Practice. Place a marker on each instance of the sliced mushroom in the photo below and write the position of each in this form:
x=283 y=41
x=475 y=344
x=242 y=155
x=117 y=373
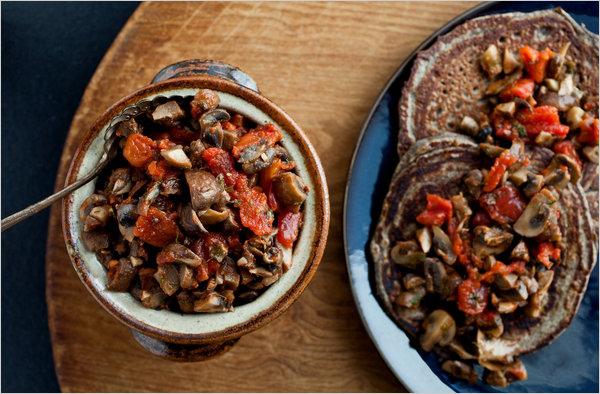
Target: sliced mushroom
x=506 y=281
x=176 y=157
x=591 y=153
x=517 y=293
x=407 y=254
x=507 y=306
x=95 y=240
x=558 y=178
x=185 y=301
x=490 y=240
x=532 y=185
x=229 y=274
x=460 y=370
x=440 y=329
x=177 y=253
x=520 y=252
x=491 y=150
x=568 y=88
x=469 y=126
x=203 y=101
x=187 y=278
x=491 y=61
x=126 y=218
x=119 y=182
x=534 y=218
x=495 y=378
x=491 y=325
x=564 y=160
x=435 y=275
x=510 y=62
x=212 y=118
x=552 y=84
x=460 y=350
x=190 y=222
x=411 y=281
x=89 y=203
x=507 y=109
x=289 y=189
x=97 y=218
x=211 y=302
x=205 y=190
x=168 y=113
x=442 y=245
x=500 y=374
x=211 y=216
x=574 y=117
x=555 y=67
x=260 y=163
x=148 y=198
x=424 y=238
x=411 y=298
x=127 y=127
x=167 y=278
x=497 y=86
x=531 y=284
x=461 y=207
x=120 y=274
x=474 y=182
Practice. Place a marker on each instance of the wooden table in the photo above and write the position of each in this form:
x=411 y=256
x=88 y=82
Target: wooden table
x=324 y=63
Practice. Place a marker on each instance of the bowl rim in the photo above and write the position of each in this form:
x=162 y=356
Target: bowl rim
x=314 y=167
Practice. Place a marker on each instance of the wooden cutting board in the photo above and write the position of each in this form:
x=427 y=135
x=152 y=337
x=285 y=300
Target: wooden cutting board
x=325 y=64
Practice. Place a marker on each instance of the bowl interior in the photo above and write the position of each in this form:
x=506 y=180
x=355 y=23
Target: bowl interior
x=123 y=304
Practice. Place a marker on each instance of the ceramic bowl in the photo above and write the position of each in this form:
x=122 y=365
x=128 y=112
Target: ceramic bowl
x=191 y=337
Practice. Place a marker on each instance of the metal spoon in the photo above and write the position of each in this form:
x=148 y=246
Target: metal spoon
x=109 y=150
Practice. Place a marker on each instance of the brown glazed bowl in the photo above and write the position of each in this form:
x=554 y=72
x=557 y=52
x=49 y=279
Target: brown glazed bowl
x=192 y=337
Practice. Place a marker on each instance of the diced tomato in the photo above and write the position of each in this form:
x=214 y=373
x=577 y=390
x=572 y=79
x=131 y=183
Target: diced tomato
x=472 y=297
x=155 y=228
x=165 y=143
x=535 y=62
x=266 y=134
x=542 y=118
x=227 y=125
x=438 y=211
x=160 y=169
x=181 y=135
x=567 y=148
x=255 y=213
x=505 y=160
x=506 y=129
x=589 y=131
x=237 y=120
x=288 y=225
x=517 y=266
x=547 y=254
x=212 y=266
x=139 y=149
x=481 y=218
x=522 y=88
x=220 y=162
x=201 y=273
x=503 y=205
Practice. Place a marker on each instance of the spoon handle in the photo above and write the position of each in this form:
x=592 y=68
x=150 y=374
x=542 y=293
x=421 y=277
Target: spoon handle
x=45 y=203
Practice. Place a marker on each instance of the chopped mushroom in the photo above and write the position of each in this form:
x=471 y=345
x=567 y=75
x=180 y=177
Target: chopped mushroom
x=407 y=254
x=95 y=240
x=534 y=218
x=491 y=150
x=176 y=157
x=204 y=189
x=187 y=278
x=440 y=329
x=167 y=278
x=120 y=274
x=425 y=239
x=289 y=189
x=177 y=253
x=469 y=125
x=520 y=252
x=591 y=153
x=97 y=218
x=442 y=246
x=211 y=302
x=560 y=160
x=411 y=281
x=474 y=182
x=411 y=298
x=119 y=182
x=203 y=101
x=435 y=275
x=510 y=62
x=574 y=116
x=491 y=61
x=490 y=240
x=168 y=113
x=461 y=207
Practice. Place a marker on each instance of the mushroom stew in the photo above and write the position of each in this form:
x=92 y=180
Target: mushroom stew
x=491 y=252
x=199 y=210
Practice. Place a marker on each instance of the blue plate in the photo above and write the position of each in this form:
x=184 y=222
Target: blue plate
x=569 y=364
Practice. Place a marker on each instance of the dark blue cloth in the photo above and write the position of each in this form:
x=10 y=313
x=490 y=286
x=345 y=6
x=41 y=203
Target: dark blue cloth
x=49 y=53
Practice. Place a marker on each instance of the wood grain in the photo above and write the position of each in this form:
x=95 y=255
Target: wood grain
x=325 y=64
